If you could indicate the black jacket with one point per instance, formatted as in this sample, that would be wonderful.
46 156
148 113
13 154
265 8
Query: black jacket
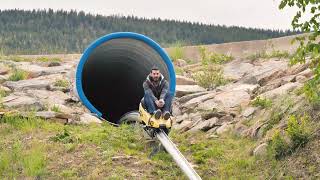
158 89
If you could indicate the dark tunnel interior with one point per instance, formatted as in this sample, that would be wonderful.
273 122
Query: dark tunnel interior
113 74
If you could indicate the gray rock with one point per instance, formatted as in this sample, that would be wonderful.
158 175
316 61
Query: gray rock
232 99
193 103
27 84
46 114
260 150
87 118
182 90
191 96
49 97
184 117
180 62
249 111
204 125
36 70
266 71
282 90
184 125
24 103
236 69
182 80
208 105
224 128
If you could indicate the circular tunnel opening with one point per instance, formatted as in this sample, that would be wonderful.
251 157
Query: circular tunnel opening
112 73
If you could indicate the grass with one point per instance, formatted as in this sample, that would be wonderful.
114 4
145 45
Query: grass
211 76
177 52
262 102
268 55
31 148
25 59
18 75
62 83
212 57
55 108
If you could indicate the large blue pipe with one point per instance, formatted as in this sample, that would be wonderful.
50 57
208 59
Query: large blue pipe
112 69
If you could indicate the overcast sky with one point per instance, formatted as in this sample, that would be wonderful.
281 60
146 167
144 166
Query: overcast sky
248 13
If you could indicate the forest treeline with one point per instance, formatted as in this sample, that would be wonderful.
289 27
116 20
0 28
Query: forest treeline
48 31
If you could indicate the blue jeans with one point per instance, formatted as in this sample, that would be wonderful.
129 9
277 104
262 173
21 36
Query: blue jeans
151 105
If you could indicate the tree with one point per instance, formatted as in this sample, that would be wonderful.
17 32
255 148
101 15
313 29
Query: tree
309 43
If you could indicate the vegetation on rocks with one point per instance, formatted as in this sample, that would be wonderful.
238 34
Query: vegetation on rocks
212 57
18 74
62 83
261 102
211 76
268 55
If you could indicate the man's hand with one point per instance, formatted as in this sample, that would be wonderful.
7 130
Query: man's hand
160 103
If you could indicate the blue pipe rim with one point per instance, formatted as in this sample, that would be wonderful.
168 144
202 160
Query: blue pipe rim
130 35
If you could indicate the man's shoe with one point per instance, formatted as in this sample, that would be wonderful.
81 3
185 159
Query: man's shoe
157 114
166 115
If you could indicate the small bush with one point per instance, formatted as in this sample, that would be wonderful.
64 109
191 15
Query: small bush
262 102
211 76
298 132
18 75
213 58
312 92
278 147
62 83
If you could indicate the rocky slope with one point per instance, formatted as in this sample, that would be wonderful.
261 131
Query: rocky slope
225 131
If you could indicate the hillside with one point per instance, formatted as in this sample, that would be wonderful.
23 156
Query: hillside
242 116
49 32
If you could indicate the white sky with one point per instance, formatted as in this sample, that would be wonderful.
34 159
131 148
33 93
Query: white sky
248 13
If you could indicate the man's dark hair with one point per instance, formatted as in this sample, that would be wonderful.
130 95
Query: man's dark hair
154 68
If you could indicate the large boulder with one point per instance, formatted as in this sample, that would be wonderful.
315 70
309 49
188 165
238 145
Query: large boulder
236 69
282 90
182 90
232 99
266 71
193 103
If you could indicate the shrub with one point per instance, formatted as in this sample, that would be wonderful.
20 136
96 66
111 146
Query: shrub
210 77
311 90
278 147
62 83
18 75
64 137
298 132
262 102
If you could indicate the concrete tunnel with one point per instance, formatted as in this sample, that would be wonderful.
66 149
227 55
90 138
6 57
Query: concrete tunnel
111 71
